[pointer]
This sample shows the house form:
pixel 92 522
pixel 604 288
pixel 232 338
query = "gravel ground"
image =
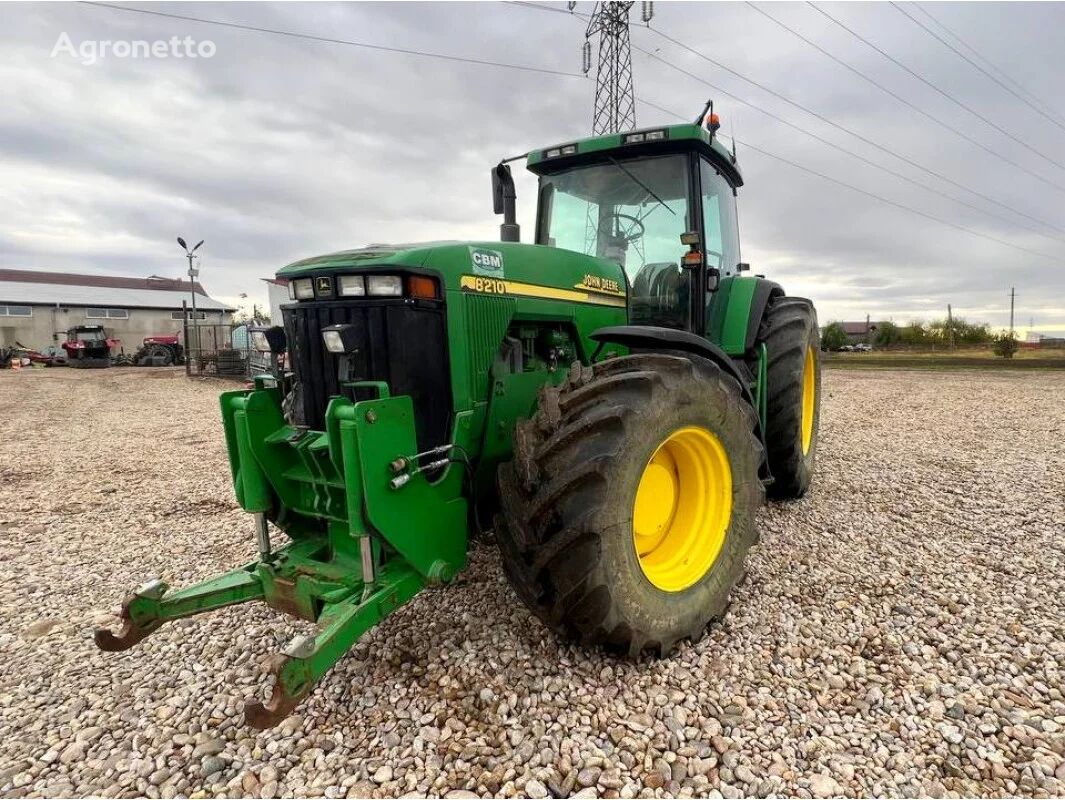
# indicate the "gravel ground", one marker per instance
pixel 901 630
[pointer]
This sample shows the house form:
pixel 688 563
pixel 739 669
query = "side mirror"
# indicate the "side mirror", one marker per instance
pixel 504 201
pixel 497 187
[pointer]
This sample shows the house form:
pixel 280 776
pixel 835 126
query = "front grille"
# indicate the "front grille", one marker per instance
pixel 402 343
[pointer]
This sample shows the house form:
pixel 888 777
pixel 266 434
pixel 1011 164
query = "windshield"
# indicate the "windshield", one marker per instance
pixel 632 212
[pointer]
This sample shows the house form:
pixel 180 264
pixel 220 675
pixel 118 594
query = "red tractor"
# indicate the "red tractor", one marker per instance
pixel 89 347
pixel 160 351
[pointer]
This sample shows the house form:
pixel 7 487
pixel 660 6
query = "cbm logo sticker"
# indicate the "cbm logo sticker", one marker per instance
pixel 323 285
pixel 487 262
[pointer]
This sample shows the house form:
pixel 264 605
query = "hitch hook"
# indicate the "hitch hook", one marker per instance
pixel 280 705
pixel 130 633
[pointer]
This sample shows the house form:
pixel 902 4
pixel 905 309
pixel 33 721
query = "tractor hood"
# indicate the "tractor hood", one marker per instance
pixel 370 255
pixel 487 267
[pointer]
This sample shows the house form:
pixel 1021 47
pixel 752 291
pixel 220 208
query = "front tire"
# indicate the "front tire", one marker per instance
pixel 630 504
pixel 793 348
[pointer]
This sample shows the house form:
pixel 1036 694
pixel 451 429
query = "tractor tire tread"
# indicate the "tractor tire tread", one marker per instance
pixel 551 494
pixel 788 328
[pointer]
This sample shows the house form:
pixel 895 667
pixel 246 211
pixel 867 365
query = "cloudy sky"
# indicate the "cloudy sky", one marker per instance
pixel 275 148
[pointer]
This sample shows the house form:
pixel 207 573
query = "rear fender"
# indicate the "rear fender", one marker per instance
pixel 736 310
pixel 647 337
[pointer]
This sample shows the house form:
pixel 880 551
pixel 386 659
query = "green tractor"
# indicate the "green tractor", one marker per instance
pixel 613 401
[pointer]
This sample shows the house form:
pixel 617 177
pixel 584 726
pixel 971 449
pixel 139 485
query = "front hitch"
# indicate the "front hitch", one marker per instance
pixel 144 602
pixel 133 631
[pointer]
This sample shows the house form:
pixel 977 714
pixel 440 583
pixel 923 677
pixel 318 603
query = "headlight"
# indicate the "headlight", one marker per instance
pixel 333 342
pixel 303 289
pixel 291 290
pixel 352 285
pixel 340 339
pixel 260 342
pixel 388 285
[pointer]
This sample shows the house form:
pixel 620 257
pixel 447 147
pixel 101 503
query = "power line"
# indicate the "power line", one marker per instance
pixel 905 102
pixel 962 55
pixel 867 193
pixel 983 58
pixel 982 117
pixel 842 149
pixel 331 40
pixel 748 145
pixel 826 120
pixel 567 11
pixel 883 148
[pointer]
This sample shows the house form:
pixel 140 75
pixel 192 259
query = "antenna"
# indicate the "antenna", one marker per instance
pixel 615 103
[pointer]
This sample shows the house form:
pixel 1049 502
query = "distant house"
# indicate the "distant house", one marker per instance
pixel 37 308
pixel 1034 341
pixel 858 332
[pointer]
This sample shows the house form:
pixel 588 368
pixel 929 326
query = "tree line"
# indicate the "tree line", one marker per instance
pixel 917 333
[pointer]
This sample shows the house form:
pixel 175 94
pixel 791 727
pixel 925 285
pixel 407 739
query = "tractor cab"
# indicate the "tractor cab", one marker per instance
pixel 87 335
pixel 88 346
pixel 661 203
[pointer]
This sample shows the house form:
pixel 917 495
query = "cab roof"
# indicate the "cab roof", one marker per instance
pixel 666 139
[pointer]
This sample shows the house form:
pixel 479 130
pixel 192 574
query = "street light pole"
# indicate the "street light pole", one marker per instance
pixel 193 272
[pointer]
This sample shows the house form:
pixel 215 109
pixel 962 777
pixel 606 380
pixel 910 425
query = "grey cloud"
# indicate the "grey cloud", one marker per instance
pixel 278 148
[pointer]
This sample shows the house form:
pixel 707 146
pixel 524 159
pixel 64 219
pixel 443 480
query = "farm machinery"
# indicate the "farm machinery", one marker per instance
pixel 614 400
pixel 159 351
pixel 89 347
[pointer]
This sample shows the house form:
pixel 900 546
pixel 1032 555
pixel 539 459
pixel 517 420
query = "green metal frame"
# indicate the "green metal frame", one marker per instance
pixel 335 490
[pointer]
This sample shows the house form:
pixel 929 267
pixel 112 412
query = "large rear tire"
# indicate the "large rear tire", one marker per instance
pixel 629 507
pixel 793 348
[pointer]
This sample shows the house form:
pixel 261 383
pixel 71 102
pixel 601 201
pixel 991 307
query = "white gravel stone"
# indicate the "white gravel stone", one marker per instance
pixel 899 631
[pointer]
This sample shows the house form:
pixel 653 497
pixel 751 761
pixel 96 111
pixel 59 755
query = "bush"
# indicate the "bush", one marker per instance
pixel 913 334
pixel 833 337
pixel 887 334
pixel 1006 345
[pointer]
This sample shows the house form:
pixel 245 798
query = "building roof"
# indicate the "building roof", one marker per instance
pixel 859 328
pixel 32 287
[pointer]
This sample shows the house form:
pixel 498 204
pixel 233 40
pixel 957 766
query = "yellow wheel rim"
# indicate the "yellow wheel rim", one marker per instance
pixel 682 509
pixel 809 400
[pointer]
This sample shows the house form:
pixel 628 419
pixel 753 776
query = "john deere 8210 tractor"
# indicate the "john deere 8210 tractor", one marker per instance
pixel 614 401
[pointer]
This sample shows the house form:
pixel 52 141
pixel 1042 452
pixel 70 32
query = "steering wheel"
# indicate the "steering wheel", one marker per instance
pixel 636 229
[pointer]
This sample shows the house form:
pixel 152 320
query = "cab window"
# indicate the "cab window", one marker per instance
pixel 633 212
pixel 719 220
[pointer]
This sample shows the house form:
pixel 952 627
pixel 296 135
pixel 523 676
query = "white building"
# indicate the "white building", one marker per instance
pixel 38 308
pixel 277 293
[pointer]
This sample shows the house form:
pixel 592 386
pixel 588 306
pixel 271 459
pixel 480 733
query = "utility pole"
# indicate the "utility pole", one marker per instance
pixel 1013 294
pixel 615 102
pixel 950 326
